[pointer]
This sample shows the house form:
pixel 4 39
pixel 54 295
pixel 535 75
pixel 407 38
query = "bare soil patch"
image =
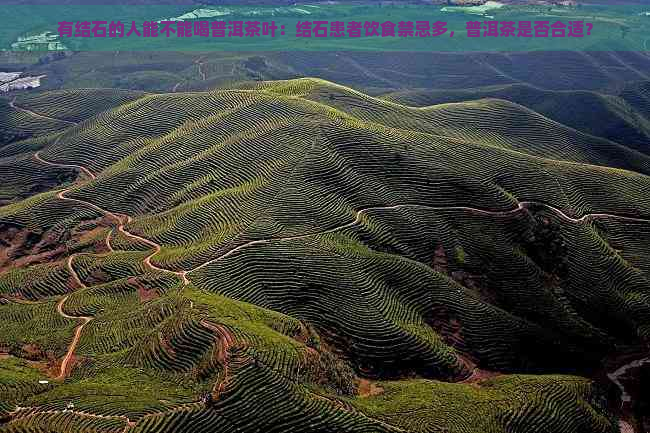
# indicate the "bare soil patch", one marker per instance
pixel 21 246
pixel 144 293
pixel 366 388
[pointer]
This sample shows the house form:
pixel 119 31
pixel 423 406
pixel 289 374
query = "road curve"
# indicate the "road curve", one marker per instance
pixel 77 333
pixel 157 248
pixel 85 171
pixel 626 398
pixel 520 206
pixel 183 274
pixel 122 220
pixel 13 105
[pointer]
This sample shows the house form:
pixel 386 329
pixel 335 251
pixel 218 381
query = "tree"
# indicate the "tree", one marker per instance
pixel 544 244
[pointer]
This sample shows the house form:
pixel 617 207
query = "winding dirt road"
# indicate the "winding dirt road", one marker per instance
pixel 618 373
pixel 183 275
pixel 520 206
pixel 65 363
pixel 226 339
pixel 77 333
pixel 84 170
pixel 157 248
pixel 13 105
pixel 120 219
pixel 626 398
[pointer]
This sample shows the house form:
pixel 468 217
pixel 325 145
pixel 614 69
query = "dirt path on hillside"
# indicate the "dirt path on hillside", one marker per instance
pixel 626 398
pixel 69 357
pixel 520 206
pixel 122 220
pixel 225 339
pixel 183 275
pixel 156 247
pixel 84 170
pixel 13 105
pixel 65 363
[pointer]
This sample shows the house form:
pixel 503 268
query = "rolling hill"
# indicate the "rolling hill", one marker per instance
pixel 296 255
pixel 374 72
pixel 622 117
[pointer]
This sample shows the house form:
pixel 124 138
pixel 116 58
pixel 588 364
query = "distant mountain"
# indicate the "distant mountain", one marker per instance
pixel 604 72
pixel 622 117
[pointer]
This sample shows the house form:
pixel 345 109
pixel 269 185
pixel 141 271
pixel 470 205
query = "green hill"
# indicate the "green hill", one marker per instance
pixel 624 118
pixel 300 256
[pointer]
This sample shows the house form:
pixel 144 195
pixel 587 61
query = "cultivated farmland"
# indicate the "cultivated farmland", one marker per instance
pixel 300 256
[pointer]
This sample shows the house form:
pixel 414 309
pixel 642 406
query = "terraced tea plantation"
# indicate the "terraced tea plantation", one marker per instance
pixel 299 256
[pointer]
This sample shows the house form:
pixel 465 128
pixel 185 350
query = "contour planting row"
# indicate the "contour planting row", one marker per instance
pixel 302 276
pixel 34 330
pixel 490 121
pixel 638 95
pixel 304 282
pixel 63 422
pixel 46 211
pixel 280 406
pixel 18 382
pixel 121 321
pixel 94 269
pixel 36 282
pixel 351 151
pixel 512 404
pixel 17 124
pixel 179 344
pixel 76 105
pixel 23 177
pixel 554 276
pixel 609 117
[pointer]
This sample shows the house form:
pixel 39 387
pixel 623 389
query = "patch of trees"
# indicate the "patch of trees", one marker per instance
pixel 543 243
pixel 8 137
pixel 52 57
pixel 255 63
